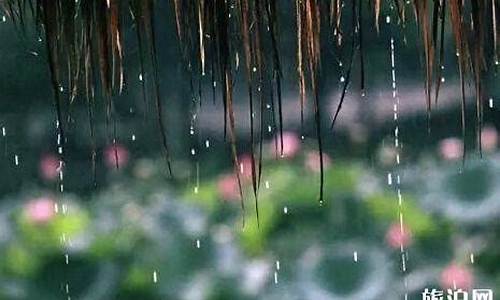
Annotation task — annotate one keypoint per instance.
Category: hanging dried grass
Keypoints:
(84, 39)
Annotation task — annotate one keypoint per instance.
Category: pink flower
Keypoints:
(228, 188)
(395, 237)
(40, 210)
(489, 138)
(115, 156)
(387, 155)
(49, 167)
(245, 166)
(312, 162)
(291, 145)
(456, 276)
(451, 148)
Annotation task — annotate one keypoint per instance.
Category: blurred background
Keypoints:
(139, 234)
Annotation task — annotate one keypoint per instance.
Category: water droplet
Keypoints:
(133, 137)
(207, 143)
(16, 159)
(140, 76)
(155, 277)
(275, 277)
(388, 19)
(277, 265)
(490, 101)
(342, 79)
(389, 179)
(355, 256)
(198, 244)
(285, 210)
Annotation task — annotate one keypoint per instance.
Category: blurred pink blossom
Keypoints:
(227, 187)
(456, 276)
(395, 237)
(40, 210)
(245, 166)
(451, 148)
(291, 145)
(116, 155)
(489, 139)
(312, 162)
(387, 155)
(49, 167)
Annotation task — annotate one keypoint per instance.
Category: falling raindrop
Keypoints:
(472, 258)
(395, 96)
(285, 210)
(207, 143)
(490, 101)
(275, 277)
(355, 256)
(198, 244)
(155, 276)
(133, 137)
(16, 159)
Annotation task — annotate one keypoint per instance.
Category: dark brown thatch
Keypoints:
(84, 38)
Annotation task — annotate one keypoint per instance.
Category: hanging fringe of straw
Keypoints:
(85, 52)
